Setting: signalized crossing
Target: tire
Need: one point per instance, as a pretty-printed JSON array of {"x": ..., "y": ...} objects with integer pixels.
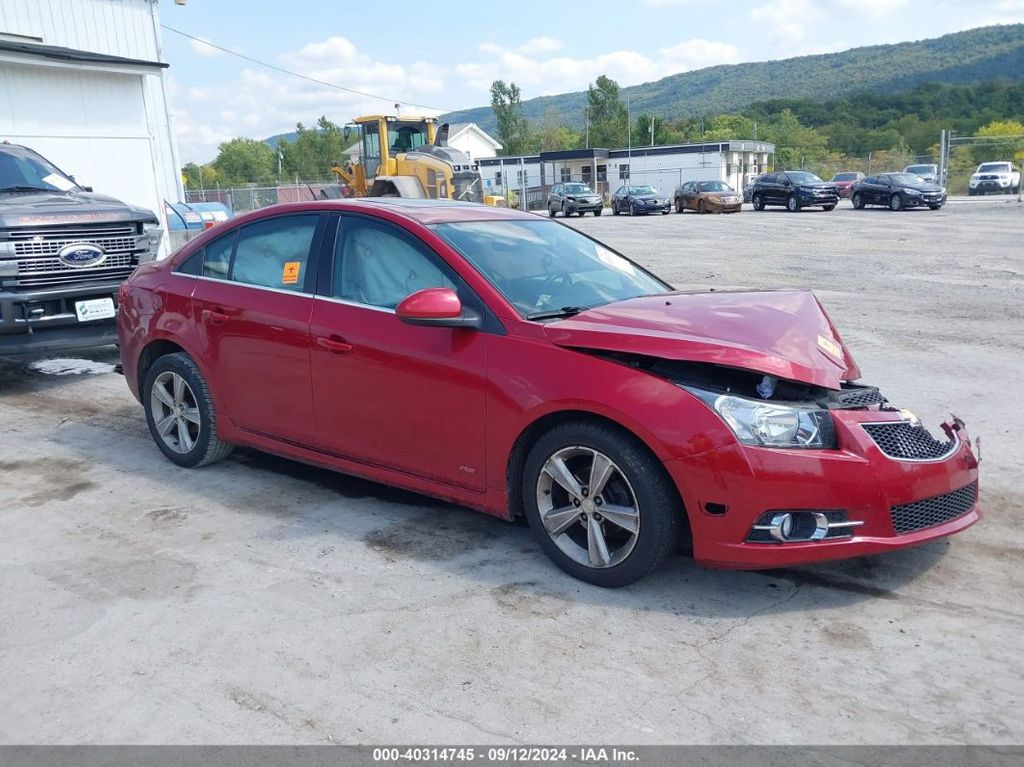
[
  {"x": 201, "y": 446},
  {"x": 666, "y": 211},
  {"x": 896, "y": 202},
  {"x": 758, "y": 202},
  {"x": 700, "y": 207},
  {"x": 636, "y": 481},
  {"x": 934, "y": 207},
  {"x": 598, "y": 212},
  {"x": 793, "y": 204},
  {"x": 679, "y": 205},
  {"x": 632, "y": 209},
  {"x": 615, "y": 209},
  {"x": 828, "y": 207},
  {"x": 565, "y": 211},
  {"x": 971, "y": 193},
  {"x": 858, "y": 201},
  {"x": 551, "y": 212}
]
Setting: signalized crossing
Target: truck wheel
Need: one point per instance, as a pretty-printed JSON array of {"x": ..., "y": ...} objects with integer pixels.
[
  {"x": 600, "y": 505},
  {"x": 180, "y": 412}
]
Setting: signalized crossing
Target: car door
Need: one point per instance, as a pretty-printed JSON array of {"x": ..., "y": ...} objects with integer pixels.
[
  {"x": 687, "y": 194},
  {"x": 252, "y": 305},
  {"x": 409, "y": 398},
  {"x": 555, "y": 200}
]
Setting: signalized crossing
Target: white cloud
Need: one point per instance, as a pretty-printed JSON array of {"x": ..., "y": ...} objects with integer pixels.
[
  {"x": 666, "y": 3},
  {"x": 540, "y": 45},
  {"x": 787, "y": 21},
  {"x": 203, "y": 47},
  {"x": 697, "y": 53},
  {"x": 873, "y": 8}
]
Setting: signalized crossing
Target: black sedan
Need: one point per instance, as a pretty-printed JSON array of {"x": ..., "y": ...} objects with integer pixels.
[
  {"x": 898, "y": 191},
  {"x": 639, "y": 199}
]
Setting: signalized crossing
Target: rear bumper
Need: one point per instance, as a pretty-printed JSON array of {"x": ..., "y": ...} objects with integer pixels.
[
  {"x": 44, "y": 321},
  {"x": 858, "y": 479}
]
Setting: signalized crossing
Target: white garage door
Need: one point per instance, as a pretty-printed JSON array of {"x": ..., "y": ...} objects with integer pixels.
[{"x": 90, "y": 124}]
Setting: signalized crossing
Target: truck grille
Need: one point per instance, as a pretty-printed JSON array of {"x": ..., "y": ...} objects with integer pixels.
[
  {"x": 906, "y": 441},
  {"x": 908, "y": 517},
  {"x": 35, "y": 251}
]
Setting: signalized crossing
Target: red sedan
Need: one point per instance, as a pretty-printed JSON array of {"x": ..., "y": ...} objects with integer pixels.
[{"x": 512, "y": 364}]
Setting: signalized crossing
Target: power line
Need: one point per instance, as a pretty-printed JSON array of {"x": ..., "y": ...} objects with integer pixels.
[{"x": 296, "y": 74}]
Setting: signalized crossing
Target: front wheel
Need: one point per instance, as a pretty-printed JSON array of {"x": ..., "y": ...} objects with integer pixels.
[
  {"x": 896, "y": 202},
  {"x": 792, "y": 204},
  {"x": 858, "y": 201},
  {"x": 551, "y": 212},
  {"x": 935, "y": 207},
  {"x": 758, "y": 202},
  {"x": 598, "y": 212},
  {"x": 615, "y": 209},
  {"x": 632, "y": 209},
  {"x": 679, "y": 205},
  {"x": 600, "y": 505},
  {"x": 180, "y": 412},
  {"x": 828, "y": 207},
  {"x": 700, "y": 207}
]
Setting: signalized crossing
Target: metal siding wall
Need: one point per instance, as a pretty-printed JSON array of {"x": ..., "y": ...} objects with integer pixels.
[{"x": 116, "y": 27}]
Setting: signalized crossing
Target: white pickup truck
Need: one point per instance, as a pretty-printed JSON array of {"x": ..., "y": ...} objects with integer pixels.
[{"x": 998, "y": 177}]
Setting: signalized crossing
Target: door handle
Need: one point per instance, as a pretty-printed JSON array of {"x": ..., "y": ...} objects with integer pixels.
[
  {"x": 334, "y": 345},
  {"x": 214, "y": 317}
]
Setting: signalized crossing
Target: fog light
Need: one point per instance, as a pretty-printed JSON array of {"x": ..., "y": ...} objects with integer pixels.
[{"x": 781, "y": 526}]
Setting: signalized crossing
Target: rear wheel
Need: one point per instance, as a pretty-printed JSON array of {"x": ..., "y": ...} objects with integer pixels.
[
  {"x": 180, "y": 412},
  {"x": 758, "y": 202},
  {"x": 679, "y": 205},
  {"x": 896, "y": 202},
  {"x": 858, "y": 201},
  {"x": 599, "y": 503},
  {"x": 792, "y": 204}
]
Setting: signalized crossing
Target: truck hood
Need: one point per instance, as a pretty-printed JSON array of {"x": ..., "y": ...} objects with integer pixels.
[
  {"x": 784, "y": 333},
  {"x": 47, "y": 208}
]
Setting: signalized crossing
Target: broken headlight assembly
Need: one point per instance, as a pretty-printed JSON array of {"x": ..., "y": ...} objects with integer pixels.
[{"x": 762, "y": 423}]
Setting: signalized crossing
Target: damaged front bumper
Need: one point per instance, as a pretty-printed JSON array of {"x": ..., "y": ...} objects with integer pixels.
[{"x": 890, "y": 485}]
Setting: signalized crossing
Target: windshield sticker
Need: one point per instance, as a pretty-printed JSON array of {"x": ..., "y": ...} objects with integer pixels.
[{"x": 59, "y": 181}]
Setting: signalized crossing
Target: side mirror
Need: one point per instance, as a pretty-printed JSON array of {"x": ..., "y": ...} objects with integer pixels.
[{"x": 437, "y": 307}]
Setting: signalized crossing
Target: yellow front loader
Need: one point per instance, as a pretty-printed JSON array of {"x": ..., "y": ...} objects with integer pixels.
[{"x": 409, "y": 157}]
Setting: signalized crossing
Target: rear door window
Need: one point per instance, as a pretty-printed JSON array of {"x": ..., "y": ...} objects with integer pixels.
[{"x": 274, "y": 253}]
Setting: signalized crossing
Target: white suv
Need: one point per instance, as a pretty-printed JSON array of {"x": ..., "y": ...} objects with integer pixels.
[{"x": 996, "y": 177}]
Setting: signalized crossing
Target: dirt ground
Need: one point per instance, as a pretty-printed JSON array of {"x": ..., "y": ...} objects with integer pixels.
[{"x": 260, "y": 601}]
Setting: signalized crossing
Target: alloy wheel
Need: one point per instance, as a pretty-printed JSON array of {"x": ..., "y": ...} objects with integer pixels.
[
  {"x": 175, "y": 412},
  {"x": 588, "y": 507}
]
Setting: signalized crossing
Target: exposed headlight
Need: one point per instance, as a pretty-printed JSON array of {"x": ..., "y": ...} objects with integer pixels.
[
  {"x": 769, "y": 424},
  {"x": 911, "y": 190}
]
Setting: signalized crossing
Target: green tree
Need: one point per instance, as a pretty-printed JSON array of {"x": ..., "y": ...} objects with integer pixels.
[
  {"x": 553, "y": 136},
  {"x": 513, "y": 128},
  {"x": 642, "y": 130},
  {"x": 1008, "y": 143},
  {"x": 606, "y": 114},
  {"x": 245, "y": 160},
  {"x": 310, "y": 154}
]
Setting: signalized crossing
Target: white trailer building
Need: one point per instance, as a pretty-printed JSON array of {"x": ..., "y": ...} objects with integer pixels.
[{"x": 82, "y": 83}]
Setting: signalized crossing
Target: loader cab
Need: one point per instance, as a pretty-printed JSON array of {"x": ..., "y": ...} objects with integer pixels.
[{"x": 384, "y": 137}]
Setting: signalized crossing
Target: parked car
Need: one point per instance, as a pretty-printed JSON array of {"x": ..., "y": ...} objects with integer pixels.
[
  {"x": 793, "y": 189},
  {"x": 574, "y": 198},
  {"x": 998, "y": 177},
  {"x": 928, "y": 171},
  {"x": 512, "y": 364},
  {"x": 64, "y": 252},
  {"x": 707, "y": 197},
  {"x": 845, "y": 180},
  {"x": 639, "y": 199},
  {"x": 748, "y": 189},
  {"x": 898, "y": 191}
]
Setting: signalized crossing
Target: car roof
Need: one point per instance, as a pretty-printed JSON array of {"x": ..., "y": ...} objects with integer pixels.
[{"x": 423, "y": 211}]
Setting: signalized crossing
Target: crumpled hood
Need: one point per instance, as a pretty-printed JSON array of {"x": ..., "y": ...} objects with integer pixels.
[
  {"x": 42, "y": 208},
  {"x": 784, "y": 333}
]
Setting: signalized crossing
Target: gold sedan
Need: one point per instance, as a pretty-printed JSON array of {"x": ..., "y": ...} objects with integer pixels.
[{"x": 707, "y": 197}]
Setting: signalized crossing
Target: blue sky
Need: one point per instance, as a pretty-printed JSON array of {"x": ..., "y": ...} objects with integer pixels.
[{"x": 446, "y": 58}]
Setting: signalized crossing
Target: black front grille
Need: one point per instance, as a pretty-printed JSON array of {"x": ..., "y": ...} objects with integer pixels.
[
  {"x": 857, "y": 396},
  {"x": 37, "y": 250},
  {"x": 908, "y": 441},
  {"x": 929, "y": 512}
]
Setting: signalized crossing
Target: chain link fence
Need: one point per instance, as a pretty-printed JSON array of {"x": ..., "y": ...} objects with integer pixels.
[
  {"x": 966, "y": 155},
  {"x": 246, "y": 198}
]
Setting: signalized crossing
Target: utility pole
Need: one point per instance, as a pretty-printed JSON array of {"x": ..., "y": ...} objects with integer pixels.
[{"x": 652, "y": 130}]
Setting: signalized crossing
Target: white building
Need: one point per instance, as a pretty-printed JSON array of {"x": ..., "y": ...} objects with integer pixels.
[
  {"x": 466, "y": 137},
  {"x": 664, "y": 167},
  {"x": 82, "y": 83}
]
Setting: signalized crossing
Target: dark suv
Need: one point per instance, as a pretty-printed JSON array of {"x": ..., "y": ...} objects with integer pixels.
[
  {"x": 793, "y": 189},
  {"x": 574, "y": 198},
  {"x": 64, "y": 253}
]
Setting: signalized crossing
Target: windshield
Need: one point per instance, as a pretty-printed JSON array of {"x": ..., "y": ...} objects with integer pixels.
[
  {"x": 541, "y": 266},
  {"x": 23, "y": 170},
  {"x": 642, "y": 190},
  {"x": 920, "y": 170},
  {"x": 994, "y": 167},
  {"x": 804, "y": 177},
  {"x": 715, "y": 186},
  {"x": 905, "y": 179},
  {"x": 578, "y": 189},
  {"x": 845, "y": 177}
]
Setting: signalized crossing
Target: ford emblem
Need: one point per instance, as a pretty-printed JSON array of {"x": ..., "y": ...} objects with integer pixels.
[{"x": 81, "y": 254}]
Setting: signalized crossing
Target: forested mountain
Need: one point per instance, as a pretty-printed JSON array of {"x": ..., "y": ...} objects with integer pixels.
[{"x": 975, "y": 56}]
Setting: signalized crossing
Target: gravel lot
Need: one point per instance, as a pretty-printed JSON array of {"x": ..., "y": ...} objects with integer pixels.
[{"x": 260, "y": 601}]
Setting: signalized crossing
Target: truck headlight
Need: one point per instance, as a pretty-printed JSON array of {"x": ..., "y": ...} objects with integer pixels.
[
  {"x": 154, "y": 234},
  {"x": 768, "y": 424}
]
